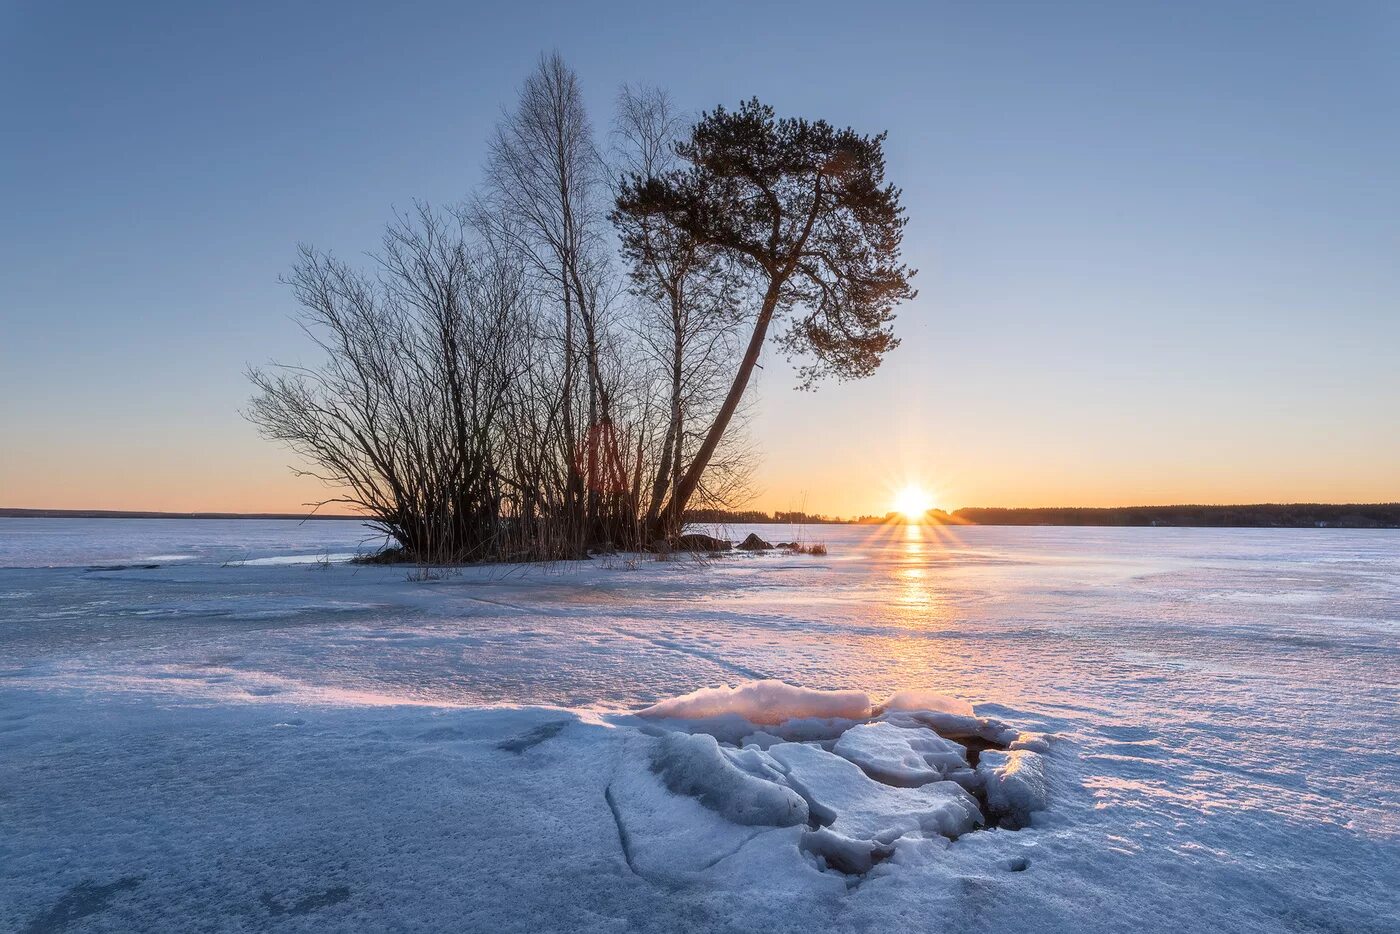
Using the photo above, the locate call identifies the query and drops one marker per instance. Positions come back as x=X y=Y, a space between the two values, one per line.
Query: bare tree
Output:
x=486 y=394
x=419 y=361
x=544 y=187
x=691 y=300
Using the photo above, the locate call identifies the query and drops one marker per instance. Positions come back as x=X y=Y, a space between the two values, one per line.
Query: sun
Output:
x=913 y=501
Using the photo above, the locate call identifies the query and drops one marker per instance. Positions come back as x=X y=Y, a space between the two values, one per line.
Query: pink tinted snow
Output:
x=763 y=702
x=928 y=700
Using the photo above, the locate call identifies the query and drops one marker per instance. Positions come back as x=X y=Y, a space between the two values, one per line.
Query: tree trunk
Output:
x=675 y=509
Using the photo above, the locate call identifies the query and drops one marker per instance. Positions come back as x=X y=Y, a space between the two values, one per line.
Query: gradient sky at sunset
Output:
x=1159 y=243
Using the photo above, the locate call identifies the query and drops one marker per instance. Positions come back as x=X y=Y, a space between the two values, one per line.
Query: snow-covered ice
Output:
x=901 y=756
x=845 y=799
x=1014 y=784
x=1188 y=730
x=767 y=702
x=742 y=788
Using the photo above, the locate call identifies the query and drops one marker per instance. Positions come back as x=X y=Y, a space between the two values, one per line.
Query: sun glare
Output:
x=913 y=501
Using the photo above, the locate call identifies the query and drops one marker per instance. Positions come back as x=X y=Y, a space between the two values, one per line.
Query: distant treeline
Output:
x=752 y=516
x=1263 y=515
x=1266 y=515
x=13 y=513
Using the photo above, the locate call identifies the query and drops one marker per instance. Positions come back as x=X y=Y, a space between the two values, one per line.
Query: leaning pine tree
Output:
x=802 y=213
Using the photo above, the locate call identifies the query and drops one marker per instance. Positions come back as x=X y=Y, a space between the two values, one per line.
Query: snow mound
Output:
x=1014 y=784
x=766 y=703
x=694 y=765
x=928 y=701
x=903 y=757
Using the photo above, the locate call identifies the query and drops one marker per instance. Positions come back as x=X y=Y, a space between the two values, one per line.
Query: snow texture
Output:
x=844 y=798
x=193 y=738
x=1015 y=785
x=928 y=701
x=901 y=756
x=767 y=703
x=693 y=764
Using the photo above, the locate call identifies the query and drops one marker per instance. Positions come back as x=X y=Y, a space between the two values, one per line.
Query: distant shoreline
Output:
x=11 y=513
x=1243 y=516
x=1256 y=516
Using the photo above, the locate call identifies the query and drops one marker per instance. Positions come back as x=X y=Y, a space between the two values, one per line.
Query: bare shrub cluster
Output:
x=558 y=365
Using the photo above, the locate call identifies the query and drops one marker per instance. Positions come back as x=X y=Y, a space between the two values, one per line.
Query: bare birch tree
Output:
x=544 y=185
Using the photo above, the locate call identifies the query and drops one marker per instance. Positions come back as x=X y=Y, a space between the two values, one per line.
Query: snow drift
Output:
x=763 y=702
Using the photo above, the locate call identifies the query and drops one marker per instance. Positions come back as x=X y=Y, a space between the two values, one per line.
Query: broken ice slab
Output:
x=1014 y=784
x=842 y=797
x=694 y=764
x=899 y=756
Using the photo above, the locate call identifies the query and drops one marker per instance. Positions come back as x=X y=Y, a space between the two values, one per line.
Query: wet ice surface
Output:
x=281 y=746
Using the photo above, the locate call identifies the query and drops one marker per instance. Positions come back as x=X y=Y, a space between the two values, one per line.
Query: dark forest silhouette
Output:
x=1259 y=515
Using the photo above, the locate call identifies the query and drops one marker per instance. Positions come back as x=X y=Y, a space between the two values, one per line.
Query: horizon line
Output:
x=32 y=512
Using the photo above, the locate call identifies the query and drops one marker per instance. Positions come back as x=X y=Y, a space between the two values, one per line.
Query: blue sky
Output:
x=1157 y=241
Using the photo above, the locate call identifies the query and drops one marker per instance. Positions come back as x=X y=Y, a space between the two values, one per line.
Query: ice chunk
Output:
x=854 y=805
x=1015 y=784
x=763 y=702
x=665 y=836
x=756 y=762
x=898 y=756
x=854 y=857
x=761 y=739
x=994 y=731
x=1035 y=742
x=813 y=730
x=930 y=701
x=956 y=726
x=694 y=764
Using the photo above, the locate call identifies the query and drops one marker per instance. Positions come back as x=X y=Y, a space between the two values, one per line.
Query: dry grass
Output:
x=391 y=555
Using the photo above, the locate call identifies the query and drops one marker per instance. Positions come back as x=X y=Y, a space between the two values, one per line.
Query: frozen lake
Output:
x=205 y=724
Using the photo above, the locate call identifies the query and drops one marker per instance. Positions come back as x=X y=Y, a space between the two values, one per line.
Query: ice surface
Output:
x=900 y=756
x=298 y=748
x=274 y=560
x=767 y=702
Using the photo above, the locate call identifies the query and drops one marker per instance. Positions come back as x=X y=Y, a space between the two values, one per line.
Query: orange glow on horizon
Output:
x=913 y=502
